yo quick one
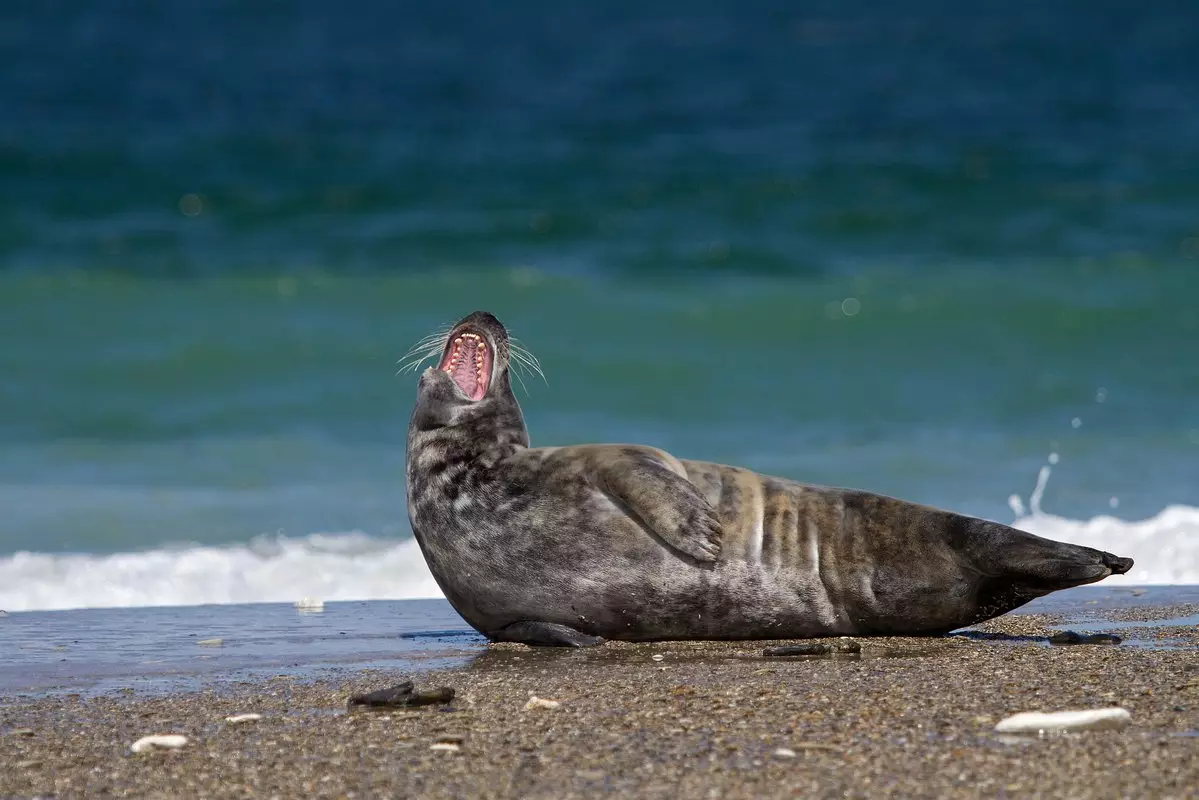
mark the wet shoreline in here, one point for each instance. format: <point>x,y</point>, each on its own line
<point>900,717</point>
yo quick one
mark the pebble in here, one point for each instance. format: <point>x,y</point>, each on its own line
<point>1071,637</point>
<point>657,657</point>
<point>21,732</point>
<point>785,752</point>
<point>540,702</point>
<point>813,649</point>
<point>447,747</point>
<point>1088,719</point>
<point>402,694</point>
<point>211,642</point>
<point>171,741</point>
<point>239,718</point>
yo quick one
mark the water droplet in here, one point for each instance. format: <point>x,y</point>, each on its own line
<point>1053,458</point>
<point>1076,423</point>
<point>850,306</point>
<point>192,205</point>
<point>1016,504</point>
<point>1100,395</point>
<point>1114,502</point>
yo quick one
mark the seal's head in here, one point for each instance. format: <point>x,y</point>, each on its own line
<point>470,385</point>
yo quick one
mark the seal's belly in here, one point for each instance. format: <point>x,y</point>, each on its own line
<point>592,567</point>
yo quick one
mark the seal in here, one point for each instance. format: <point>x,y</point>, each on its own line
<point>574,545</point>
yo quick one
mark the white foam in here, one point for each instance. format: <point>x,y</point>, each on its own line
<point>331,566</point>
<point>1165,546</point>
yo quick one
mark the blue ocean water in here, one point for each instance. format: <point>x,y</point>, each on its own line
<point>943,252</point>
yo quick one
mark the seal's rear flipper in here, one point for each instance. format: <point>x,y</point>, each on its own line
<point>544,634</point>
<point>1046,565</point>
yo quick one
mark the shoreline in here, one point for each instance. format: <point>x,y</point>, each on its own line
<point>904,717</point>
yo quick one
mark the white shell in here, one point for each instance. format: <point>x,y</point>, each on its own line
<point>170,741</point>
<point>539,702</point>
<point>1089,719</point>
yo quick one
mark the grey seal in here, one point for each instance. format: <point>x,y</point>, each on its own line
<point>572,545</point>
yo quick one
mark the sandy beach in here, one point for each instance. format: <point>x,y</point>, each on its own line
<point>904,718</point>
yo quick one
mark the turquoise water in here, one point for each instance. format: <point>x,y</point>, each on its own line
<point>921,250</point>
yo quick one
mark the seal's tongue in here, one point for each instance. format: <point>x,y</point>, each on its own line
<point>468,362</point>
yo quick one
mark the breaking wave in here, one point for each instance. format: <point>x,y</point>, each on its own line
<point>328,566</point>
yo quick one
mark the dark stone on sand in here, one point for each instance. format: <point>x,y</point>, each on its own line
<point>813,649</point>
<point>402,695</point>
<point>1071,637</point>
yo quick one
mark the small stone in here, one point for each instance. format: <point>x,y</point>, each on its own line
<point>211,642</point>
<point>237,719</point>
<point>785,752</point>
<point>847,645</point>
<point>540,702</point>
<point>451,738</point>
<point>1071,637</point>
<point>402,695</point>
<point>657,657</point>
<point>1089,719</point>
<point>1103,638</point>
<point>171,741</point>
<point>813,649</point>
<point>21,732</point>
<point>445,747</point>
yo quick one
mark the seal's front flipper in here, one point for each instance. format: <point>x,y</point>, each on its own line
<point>665,502</point>
<point>545,634</point>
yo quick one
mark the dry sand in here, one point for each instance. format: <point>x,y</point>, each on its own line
<point>905,718</point>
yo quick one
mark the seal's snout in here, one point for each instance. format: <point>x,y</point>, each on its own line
<point>469,359</point>
<point>475,347</point>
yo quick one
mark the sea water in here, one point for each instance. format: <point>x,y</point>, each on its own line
<point>942,253</point>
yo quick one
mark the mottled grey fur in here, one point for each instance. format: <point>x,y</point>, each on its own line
<point>565,545</point>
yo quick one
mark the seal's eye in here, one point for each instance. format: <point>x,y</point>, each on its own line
<point>468,361</point>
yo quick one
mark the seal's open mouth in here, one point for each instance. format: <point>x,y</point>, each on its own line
<point>468,361</point>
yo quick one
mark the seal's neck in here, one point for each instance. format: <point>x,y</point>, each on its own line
<point>483,432</point>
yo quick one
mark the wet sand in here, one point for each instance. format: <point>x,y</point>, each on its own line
<point>905,717</point>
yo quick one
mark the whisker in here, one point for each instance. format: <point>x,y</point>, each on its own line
<point>522,356</point>
<point>427,347</point>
